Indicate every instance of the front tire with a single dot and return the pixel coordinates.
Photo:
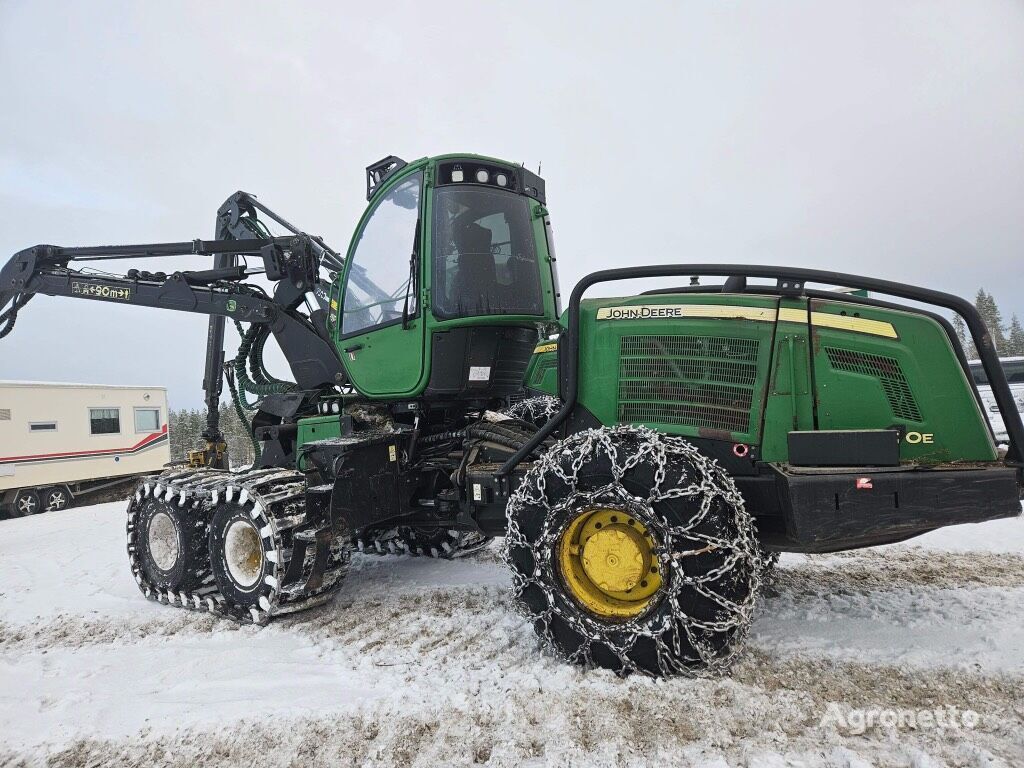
(632, 551)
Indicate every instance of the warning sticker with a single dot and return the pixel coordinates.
(479, 373)
(101, 290)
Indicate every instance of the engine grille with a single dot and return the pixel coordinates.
(694, 381)
(542, 368)
(888, 372)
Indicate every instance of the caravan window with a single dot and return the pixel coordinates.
(42, 426)
(104, 421)
(147, 419)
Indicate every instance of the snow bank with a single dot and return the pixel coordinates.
(420, 662)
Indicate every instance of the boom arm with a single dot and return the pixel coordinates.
(292, 261)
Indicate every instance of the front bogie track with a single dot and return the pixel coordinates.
(265, 555)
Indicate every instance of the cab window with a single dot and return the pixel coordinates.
(485, 262)
(379, 276)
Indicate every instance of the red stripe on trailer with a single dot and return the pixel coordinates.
(82, 454)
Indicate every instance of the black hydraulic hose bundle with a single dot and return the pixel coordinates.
(506, 436)
(250, 376)
(236, 400)
(250, 355)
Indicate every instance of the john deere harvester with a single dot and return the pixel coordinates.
(668, 443)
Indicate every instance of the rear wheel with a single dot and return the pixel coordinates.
(26, 502)
(57, 498)
(241, 561)
(632, 551)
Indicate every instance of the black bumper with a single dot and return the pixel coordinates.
(801, 510)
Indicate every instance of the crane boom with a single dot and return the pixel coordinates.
(292, 263)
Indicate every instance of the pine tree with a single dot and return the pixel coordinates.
(236, 434)
(993, 319)
(961, 333)
(997, 328)
(1015, 338)
(177, 432)
(186, 434)
(981, 304)
(195, 423)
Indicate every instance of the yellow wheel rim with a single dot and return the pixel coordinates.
(607, 562)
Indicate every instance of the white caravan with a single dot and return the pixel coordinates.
(1014, 369)
(59, 442)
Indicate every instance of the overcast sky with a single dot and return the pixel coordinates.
(882, 138)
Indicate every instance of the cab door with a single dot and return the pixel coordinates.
(383, 358)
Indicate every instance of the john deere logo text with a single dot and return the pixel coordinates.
(639, 313)
(101, 291)
(919, 437)
(680, 311)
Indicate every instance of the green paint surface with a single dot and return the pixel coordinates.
(753, 381)
(392, 362)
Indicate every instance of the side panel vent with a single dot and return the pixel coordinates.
(5, 414)
(542, 368)
(888, 372)
(702, 382)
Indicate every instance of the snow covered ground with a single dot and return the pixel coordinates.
(420, 662)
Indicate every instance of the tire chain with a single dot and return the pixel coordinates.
(536, 409)
(275, 499)
(704, 479)
(769, 567)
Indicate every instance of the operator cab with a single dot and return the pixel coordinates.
(448, 278)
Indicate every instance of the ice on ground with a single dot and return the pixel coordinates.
(421, 662)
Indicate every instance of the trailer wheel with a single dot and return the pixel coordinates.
(170, 543)
(57, 498)
(26, 503)
(630, 550)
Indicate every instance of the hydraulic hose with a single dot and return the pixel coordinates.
(259, 383)
(250, 354)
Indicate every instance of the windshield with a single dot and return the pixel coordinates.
(378, 279)
(485, 260)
